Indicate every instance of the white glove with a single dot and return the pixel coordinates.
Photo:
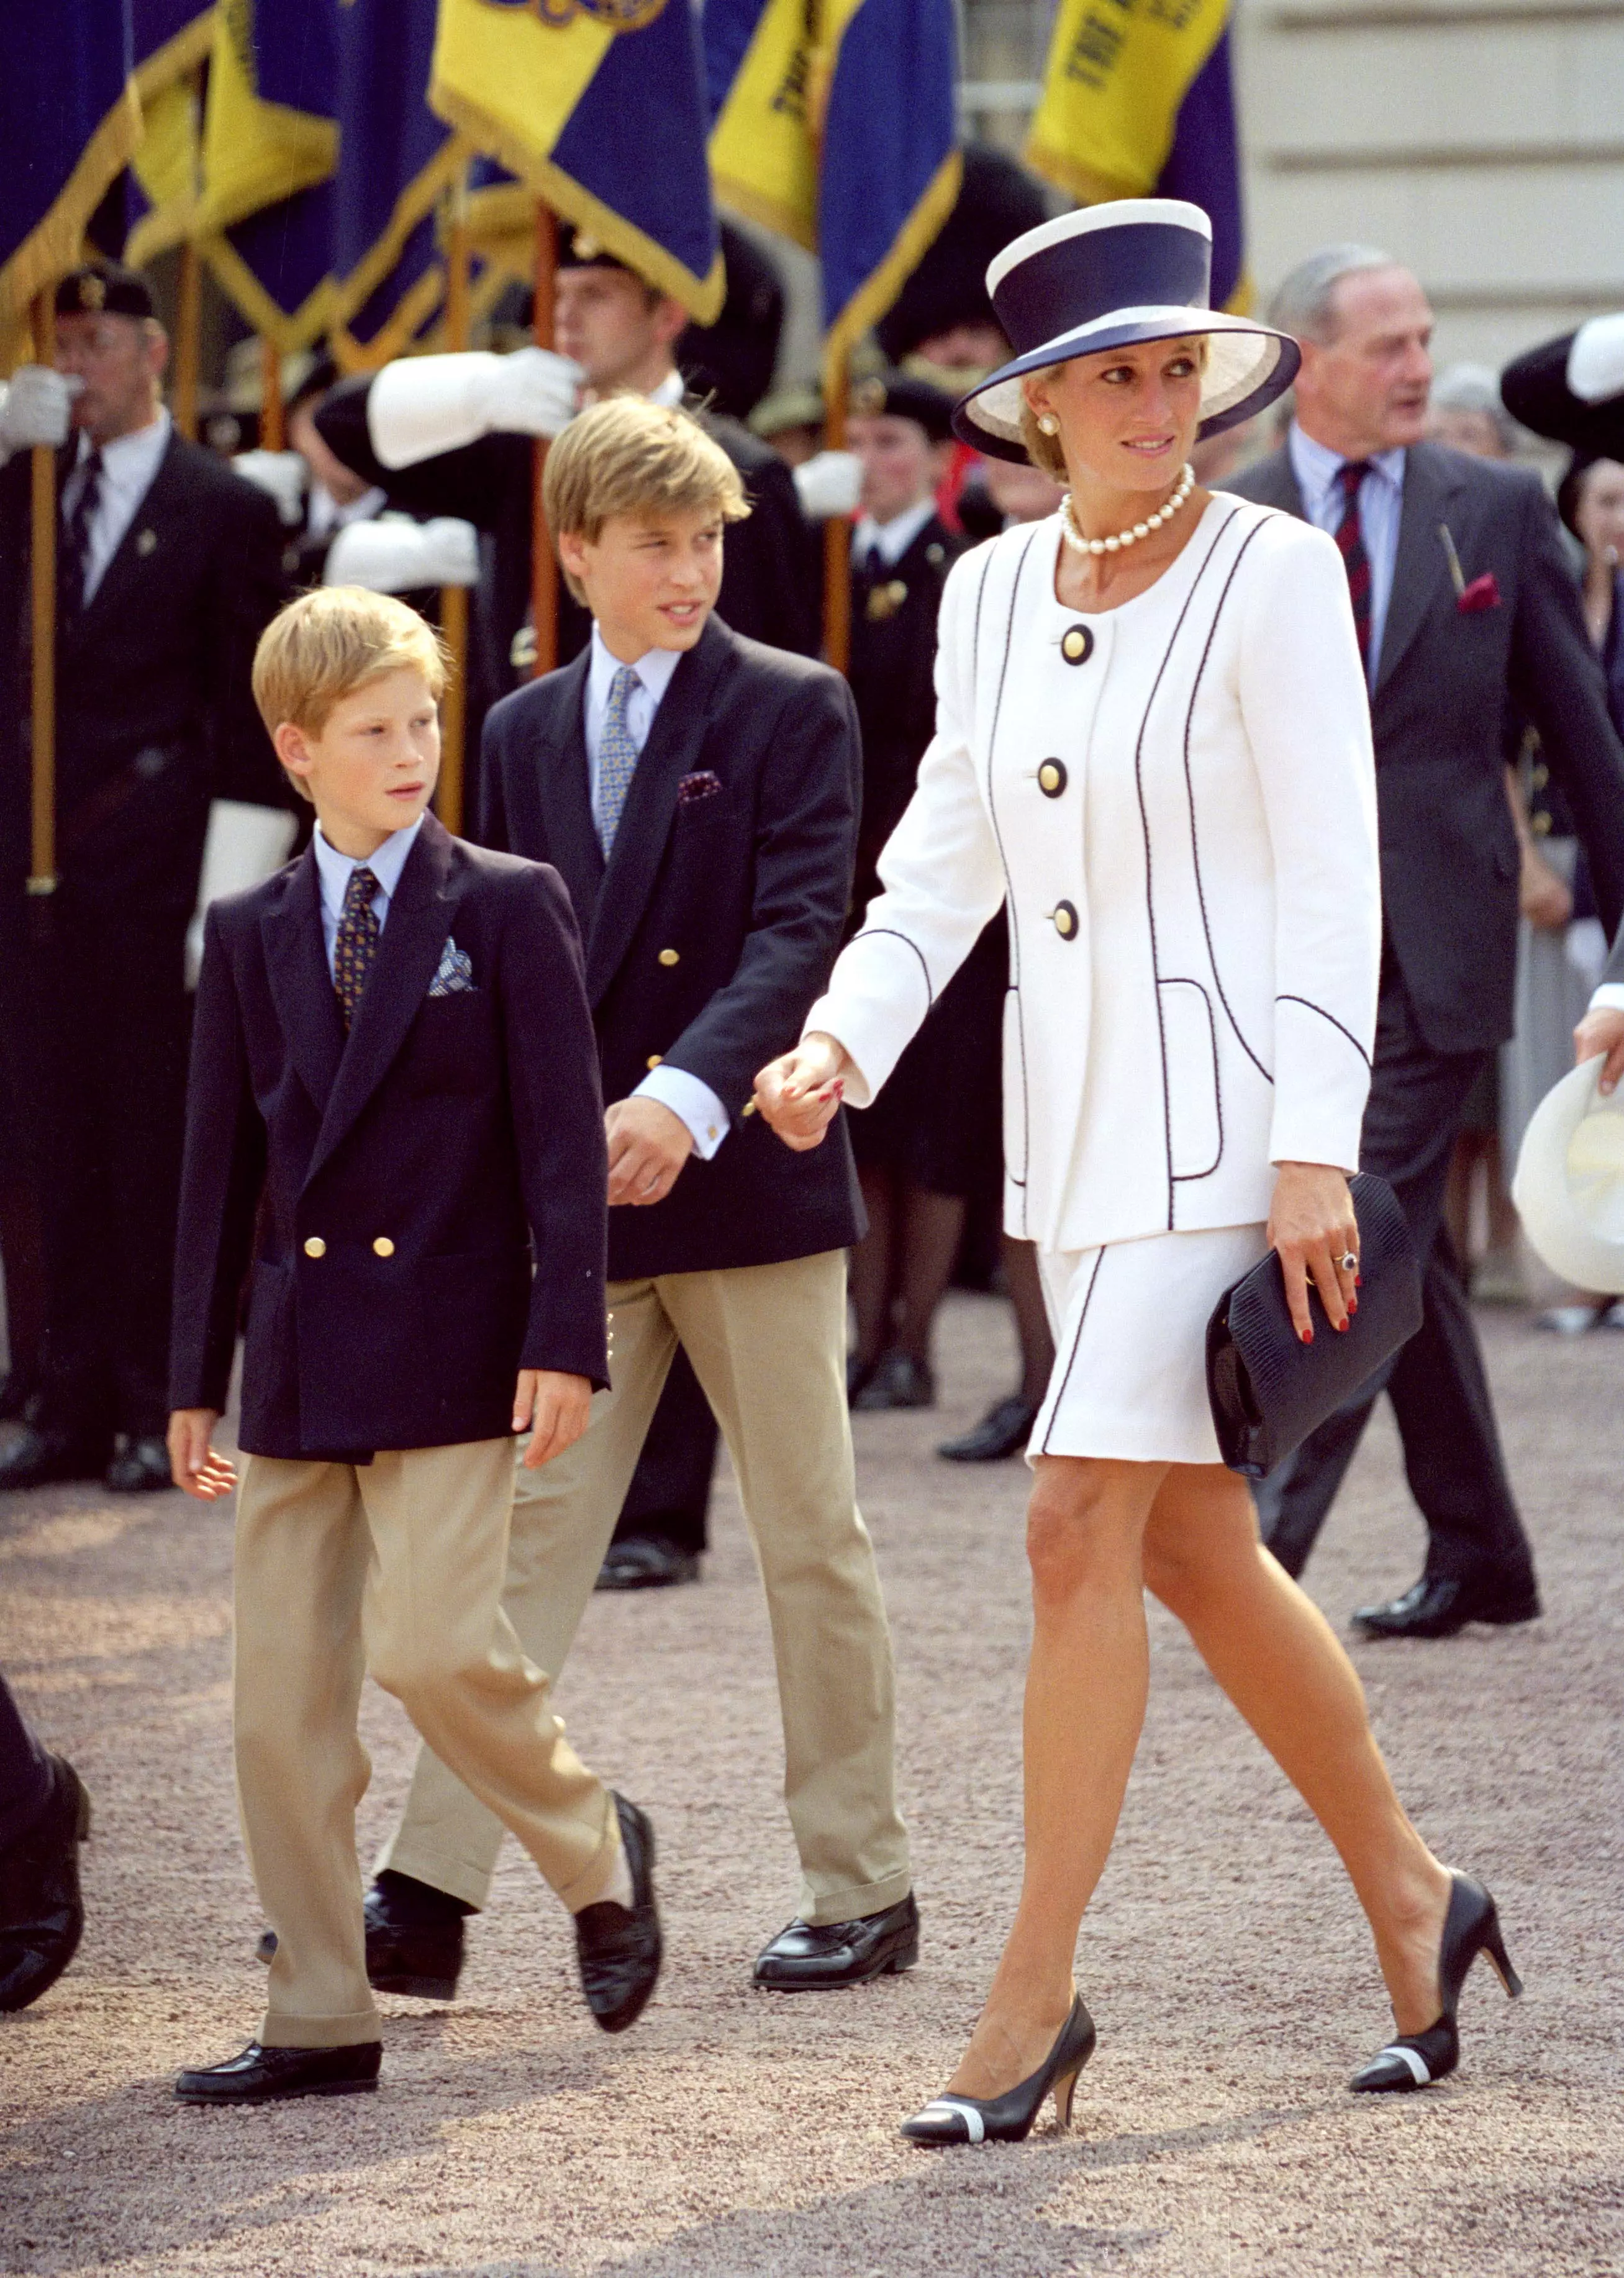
(419, 406)
(281, 475)
(1595, 360)
(830, 483)
(394, 555)
(34, 410)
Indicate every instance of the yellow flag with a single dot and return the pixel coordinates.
(255, 152)
(763, 146)
(1118, 73)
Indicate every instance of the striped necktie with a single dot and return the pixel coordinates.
(1350, 538)
(74, 568)
(617, 758)
(357, 944)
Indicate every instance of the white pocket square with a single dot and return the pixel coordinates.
(453, 974)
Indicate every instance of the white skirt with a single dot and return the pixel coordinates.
(1130, 1322)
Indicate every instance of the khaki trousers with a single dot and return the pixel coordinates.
(395, 1567)
(768, 1344)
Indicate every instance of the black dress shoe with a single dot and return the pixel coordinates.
(414, 1938)
(140, 1466)
(42, 1914)
(1003, 1431)
(814, 1957)
(1471, 1927)
(261, 2076)
(899, 1380)
(42, 1453)
(1439, 1606)
(620, 1948)
(646, 1561)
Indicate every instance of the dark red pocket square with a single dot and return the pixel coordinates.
(705, 784)
(1482, 593)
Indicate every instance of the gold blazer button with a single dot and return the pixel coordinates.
(670, 957)
(657, 1059)
(315, 1247)
(383, 1247)
(1065, 918)
(1076, 644)
(1052, 778)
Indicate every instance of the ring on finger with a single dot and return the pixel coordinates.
(1348, 1261)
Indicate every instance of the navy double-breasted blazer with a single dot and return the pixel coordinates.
(392, 1188)
(714, 925)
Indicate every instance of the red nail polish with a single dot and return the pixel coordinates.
(1358, 1281)
(1353, 1304)
(1307, 1336)
(1342, 1328)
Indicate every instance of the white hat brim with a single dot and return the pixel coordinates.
(1569, 1186)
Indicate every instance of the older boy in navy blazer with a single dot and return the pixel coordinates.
(394, 1117)
(699, 794)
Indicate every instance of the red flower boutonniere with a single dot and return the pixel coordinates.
(1482, 593)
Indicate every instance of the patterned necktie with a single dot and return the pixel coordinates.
(617, 757)
(1350, 538)
(74, 567)
(356, 946)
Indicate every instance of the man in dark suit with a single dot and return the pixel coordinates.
(699, 794)
(1464, 604)
(169, 569)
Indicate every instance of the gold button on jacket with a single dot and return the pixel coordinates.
(669, 956)
(657, 1059)
(383, 1247)
(315, 1247)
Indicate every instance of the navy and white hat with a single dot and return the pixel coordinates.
(1569, 1183)
(1111, 277)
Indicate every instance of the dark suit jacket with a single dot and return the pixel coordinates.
(154, 715)
(713, 929)
(770, 584)
(1449, 865)
(465, 1130)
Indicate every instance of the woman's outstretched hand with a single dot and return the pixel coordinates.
(799, 1095)
(1311, 1229)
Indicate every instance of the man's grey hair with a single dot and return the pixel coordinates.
(1302, 304)
(1476, 387)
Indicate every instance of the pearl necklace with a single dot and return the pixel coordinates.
(1074, 538)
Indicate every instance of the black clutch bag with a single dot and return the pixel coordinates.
(1267, 1389)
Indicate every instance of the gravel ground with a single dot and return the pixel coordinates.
(735, 2134)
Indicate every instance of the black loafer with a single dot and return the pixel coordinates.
(1003, 1431)
(414, 1938)
(261, 2076)
(42, 1454)
(42, 1912)
(646, 1561)
(619, 1949)
(1439, 1606)
(814, 1957)
(140, 1466)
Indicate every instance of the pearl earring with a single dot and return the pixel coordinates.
(1049, 423)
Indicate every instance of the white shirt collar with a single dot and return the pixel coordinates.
(653, 669)
(1317, 466)
(670, 393)
(132, 458)
(892, 538)
(386, 864)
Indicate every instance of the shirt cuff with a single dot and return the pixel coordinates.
(695, 1102)
(1608, 998)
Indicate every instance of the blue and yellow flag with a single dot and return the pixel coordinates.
(172, 40)
(832, 121)
(1137, 101)
(267, 212)
(69, 119)
(598, 106)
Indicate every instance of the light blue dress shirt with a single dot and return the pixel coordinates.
(334, 870)
(1381, 503)
(690, 1099)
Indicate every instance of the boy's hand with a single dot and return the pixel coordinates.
(647, 1147)
(553, 1409)
(193, 1463)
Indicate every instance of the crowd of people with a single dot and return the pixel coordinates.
(542, 1133)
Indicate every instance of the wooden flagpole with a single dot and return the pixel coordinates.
(543, 566)
(188, 330)
(42, 829)
(837, 532)
(453, 599)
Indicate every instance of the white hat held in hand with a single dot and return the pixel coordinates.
(1569, 1187)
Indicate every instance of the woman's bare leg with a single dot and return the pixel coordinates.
(1085, 1689)
(1275, 1655)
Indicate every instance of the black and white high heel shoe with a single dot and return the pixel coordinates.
(1471, 1927)
(1008, 2119)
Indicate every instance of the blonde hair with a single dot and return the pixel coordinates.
(627, 455)
(1045, 451)
(327, 644)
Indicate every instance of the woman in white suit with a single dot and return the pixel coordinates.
(1153, 743)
